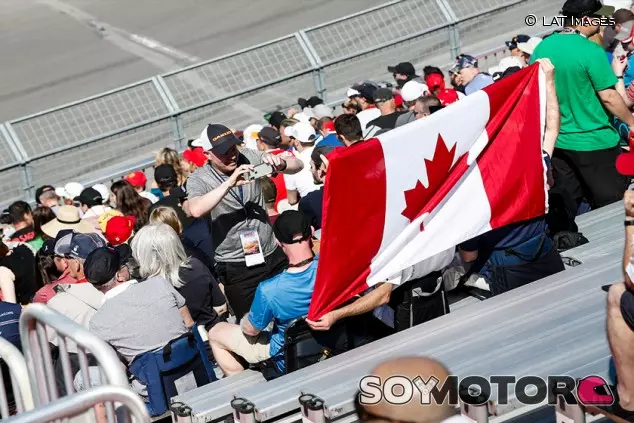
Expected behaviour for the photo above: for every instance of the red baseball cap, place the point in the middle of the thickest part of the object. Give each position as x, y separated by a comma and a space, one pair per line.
435, 82
398, 100
137, 179
119, 229
329, 126
195, 156
447, 96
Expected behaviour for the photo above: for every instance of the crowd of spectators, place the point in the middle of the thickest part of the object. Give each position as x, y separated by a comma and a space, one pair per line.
205, 245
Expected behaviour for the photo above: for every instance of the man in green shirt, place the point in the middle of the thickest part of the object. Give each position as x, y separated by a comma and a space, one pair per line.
587, 146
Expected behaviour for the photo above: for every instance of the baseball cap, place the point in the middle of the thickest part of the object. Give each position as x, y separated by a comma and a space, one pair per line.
119, 229
626, 34
61, 245
521, 38
302, 132
529, 46
165, 172
70, 190
292, 227
363, 90
41, 190
321, 110
270, 136
105, 217
447, 96
196, 156
48, 248
103, 190
103, 263
586, 8
137, 179
435, 82
413, 90
90, 197
311, 102
275, 119
83, 244
383, 94
506, 63
329, 126
404, 68
464, 61
216, 138
623, 15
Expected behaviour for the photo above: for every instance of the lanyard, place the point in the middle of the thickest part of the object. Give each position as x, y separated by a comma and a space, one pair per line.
572, 31
240, 190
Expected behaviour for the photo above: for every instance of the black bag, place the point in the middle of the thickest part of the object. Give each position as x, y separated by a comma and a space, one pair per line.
566, 240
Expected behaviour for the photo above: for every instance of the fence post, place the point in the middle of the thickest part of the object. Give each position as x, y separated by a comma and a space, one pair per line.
454, 32
20, 154
316, 63
171, 104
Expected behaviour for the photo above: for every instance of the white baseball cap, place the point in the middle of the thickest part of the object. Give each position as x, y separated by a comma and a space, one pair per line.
413, 90
529, 46
506, 63
321, 110
70, 190
302, 132
103, 190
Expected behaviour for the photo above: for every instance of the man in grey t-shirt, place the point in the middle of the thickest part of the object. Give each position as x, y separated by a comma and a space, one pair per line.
246, 252
468, 74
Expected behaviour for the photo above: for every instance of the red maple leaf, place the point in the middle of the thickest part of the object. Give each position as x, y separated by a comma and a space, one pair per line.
437, 170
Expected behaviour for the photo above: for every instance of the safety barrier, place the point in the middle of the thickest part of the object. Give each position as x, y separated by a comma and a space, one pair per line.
97, 138
19, 381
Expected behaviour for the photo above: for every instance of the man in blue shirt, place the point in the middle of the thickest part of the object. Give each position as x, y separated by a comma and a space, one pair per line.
10, 323
468, 74
278, 300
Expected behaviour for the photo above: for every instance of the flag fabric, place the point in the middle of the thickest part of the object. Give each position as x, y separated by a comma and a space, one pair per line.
410, 194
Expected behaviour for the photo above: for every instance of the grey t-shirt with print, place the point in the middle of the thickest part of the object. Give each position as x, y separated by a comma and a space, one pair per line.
235, 212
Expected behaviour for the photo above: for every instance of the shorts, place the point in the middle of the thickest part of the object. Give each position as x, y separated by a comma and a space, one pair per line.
253, 349
627, 308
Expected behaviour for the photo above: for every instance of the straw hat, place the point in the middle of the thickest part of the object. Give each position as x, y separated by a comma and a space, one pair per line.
67, 218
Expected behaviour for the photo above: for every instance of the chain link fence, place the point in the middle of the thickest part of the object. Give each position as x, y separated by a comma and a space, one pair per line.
100, 138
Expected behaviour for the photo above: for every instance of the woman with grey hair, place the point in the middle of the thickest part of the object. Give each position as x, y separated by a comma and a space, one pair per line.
159, 252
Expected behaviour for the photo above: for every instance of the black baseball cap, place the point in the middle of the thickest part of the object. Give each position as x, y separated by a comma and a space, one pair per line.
165, 172
216, 138
41, 190
383, 94
580, 8
366, 91
270, 136
48, 248
311, 102
90, 197
102, 264
404, 68
521, 38
292, 227
275, 119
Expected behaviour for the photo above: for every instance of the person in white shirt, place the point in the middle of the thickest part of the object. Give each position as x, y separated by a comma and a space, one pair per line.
364, 94
300, 184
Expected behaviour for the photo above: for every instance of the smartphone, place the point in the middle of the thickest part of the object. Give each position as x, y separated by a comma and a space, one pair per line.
260, 171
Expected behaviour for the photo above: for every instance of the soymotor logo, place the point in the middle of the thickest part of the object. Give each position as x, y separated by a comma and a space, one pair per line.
476, 390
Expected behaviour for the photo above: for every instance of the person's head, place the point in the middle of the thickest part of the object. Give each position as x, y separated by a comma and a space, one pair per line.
432, 70
41, 216
81, 245
119, 229
268, 139
275, 119
194, 158
106, 267
220, 146
412, 91
586, 13
466, 68
402, 72
620, 17
364, 94
425, 106
46, 196
527, 49
625, 34
137, 180
325, 126
170, 157
348, 129
512, 44
317, 166
435, 83
69, 192
20, 214
302, 134
351, 106
90, 198
129, 202
293, 234
412, 411
159, 252
384, 100
168, 216
165, 177
269, 192
47, 270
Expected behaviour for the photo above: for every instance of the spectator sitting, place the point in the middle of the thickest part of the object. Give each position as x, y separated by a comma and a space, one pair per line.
69, 192
425, 106
269, 192
123, 320
285, 141
351, 106
349, 130
81, 245
502, 69
92, 205
364, 95
250, 136
411, 92
41, 216
403, 73
169, 156
384, 99
275, 119
512, 45
104, 218
17, 273
610, 43
326, 127
46, 196
269, 141
436, 84
194, 158
166, 180
138, 181
300, 184
160, 247
279, 299
468, 74
312, 204
119, 230
46, 271
20, 217
626, 37
527, 49
130, 203
67, 217
61, 247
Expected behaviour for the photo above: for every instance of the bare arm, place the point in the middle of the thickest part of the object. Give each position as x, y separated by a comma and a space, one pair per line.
378, 297
247, 327
293, 196
292, 166
199, 206
7, 285
628, 202
619, 64
552, 107
187, 317
616, 105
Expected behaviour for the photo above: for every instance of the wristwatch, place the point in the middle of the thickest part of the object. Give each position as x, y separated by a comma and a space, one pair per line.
628, 223
285, 166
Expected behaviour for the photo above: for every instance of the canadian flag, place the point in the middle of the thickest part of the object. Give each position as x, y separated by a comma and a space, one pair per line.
414, 192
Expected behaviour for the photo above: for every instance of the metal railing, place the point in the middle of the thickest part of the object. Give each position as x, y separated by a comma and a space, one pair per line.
95, 138
18, 381
38, 324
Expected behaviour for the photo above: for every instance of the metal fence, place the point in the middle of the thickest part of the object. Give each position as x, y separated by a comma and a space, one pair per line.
104, 136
